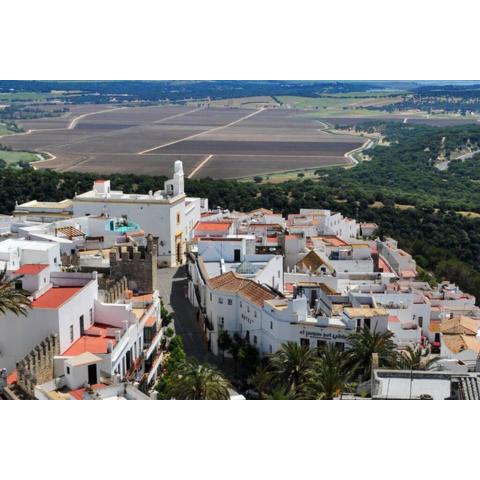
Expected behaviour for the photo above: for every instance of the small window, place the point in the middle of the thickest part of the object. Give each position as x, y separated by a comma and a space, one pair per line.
210, 297
220, 299
240, 304
55, 260
178, 218
420, 322
68, 370
278, 274
248, 309
271, 325
71, 333
270, 348
229, 301
254, 339
255, 314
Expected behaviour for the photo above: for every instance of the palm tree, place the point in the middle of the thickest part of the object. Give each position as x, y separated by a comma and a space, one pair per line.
292, 366
282, 393
363, 344
412, 359
12, 299
193, 381
331, 374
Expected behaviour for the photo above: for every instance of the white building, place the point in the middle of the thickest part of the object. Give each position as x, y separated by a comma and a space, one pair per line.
125, 334
266, 320
15, 252
167, 214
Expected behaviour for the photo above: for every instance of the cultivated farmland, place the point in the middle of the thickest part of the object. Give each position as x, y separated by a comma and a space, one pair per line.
236, 141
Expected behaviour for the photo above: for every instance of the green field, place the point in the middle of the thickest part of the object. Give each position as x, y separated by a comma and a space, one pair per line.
27, 96
340, 104
14, 157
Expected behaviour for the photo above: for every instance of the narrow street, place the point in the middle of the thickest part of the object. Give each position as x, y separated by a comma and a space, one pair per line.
172, 284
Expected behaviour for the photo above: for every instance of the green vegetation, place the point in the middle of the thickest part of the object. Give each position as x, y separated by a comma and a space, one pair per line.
341, 104
9, 128
12, 299
184, 379
297, 372
12, 157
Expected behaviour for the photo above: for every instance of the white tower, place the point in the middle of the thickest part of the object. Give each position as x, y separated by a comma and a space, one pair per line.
175, 186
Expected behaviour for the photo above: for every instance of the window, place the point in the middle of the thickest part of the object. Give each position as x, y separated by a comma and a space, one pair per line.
321, 344
71, 333
210, 297
248, 309
271, 325
90, 315
340, 346
420, 322
178, 218
255, 313
254, 339
305, 342
240, 304
68, 370
220, 299
270, 348
55, 260
229, 301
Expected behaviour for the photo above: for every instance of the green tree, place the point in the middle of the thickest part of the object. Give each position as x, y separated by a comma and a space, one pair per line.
292, 366
193, 381
331, 374
12, 299
412, 359
363, 344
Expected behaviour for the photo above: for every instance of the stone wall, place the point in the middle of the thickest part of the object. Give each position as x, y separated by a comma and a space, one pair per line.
37, 367
138, 264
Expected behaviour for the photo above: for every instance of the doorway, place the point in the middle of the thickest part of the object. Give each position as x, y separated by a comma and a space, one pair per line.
92, 374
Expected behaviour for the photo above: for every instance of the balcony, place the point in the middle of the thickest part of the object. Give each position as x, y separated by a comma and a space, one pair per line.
155, 342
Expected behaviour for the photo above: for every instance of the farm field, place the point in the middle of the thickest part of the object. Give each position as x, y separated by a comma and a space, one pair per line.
236, 141
15, 157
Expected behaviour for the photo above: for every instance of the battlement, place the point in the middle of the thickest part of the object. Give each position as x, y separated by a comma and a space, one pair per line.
37, 367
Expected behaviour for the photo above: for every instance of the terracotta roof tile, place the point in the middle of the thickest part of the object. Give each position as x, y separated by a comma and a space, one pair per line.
248, 289
460, 325
31, 268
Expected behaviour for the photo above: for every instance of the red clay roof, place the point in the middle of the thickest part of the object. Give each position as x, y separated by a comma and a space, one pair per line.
55, 297
31, 268
213, 226
12, 377
248, 289
78, 394
95, 340
150, 321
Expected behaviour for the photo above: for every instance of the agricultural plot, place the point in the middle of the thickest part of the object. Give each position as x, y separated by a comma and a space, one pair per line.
236, 141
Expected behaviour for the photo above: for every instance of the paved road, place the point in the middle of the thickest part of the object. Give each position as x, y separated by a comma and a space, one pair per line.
172, 284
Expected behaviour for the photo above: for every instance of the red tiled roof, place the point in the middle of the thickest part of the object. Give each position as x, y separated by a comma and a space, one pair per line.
393, 318
31, 268
213, 226
100, 181
231, 283
12, 378
150, 321
78, 394
148, 297
55, 297
333, 240
87, 343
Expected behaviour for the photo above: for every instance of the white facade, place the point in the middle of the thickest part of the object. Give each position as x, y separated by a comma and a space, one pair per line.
166, 214
16, 252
